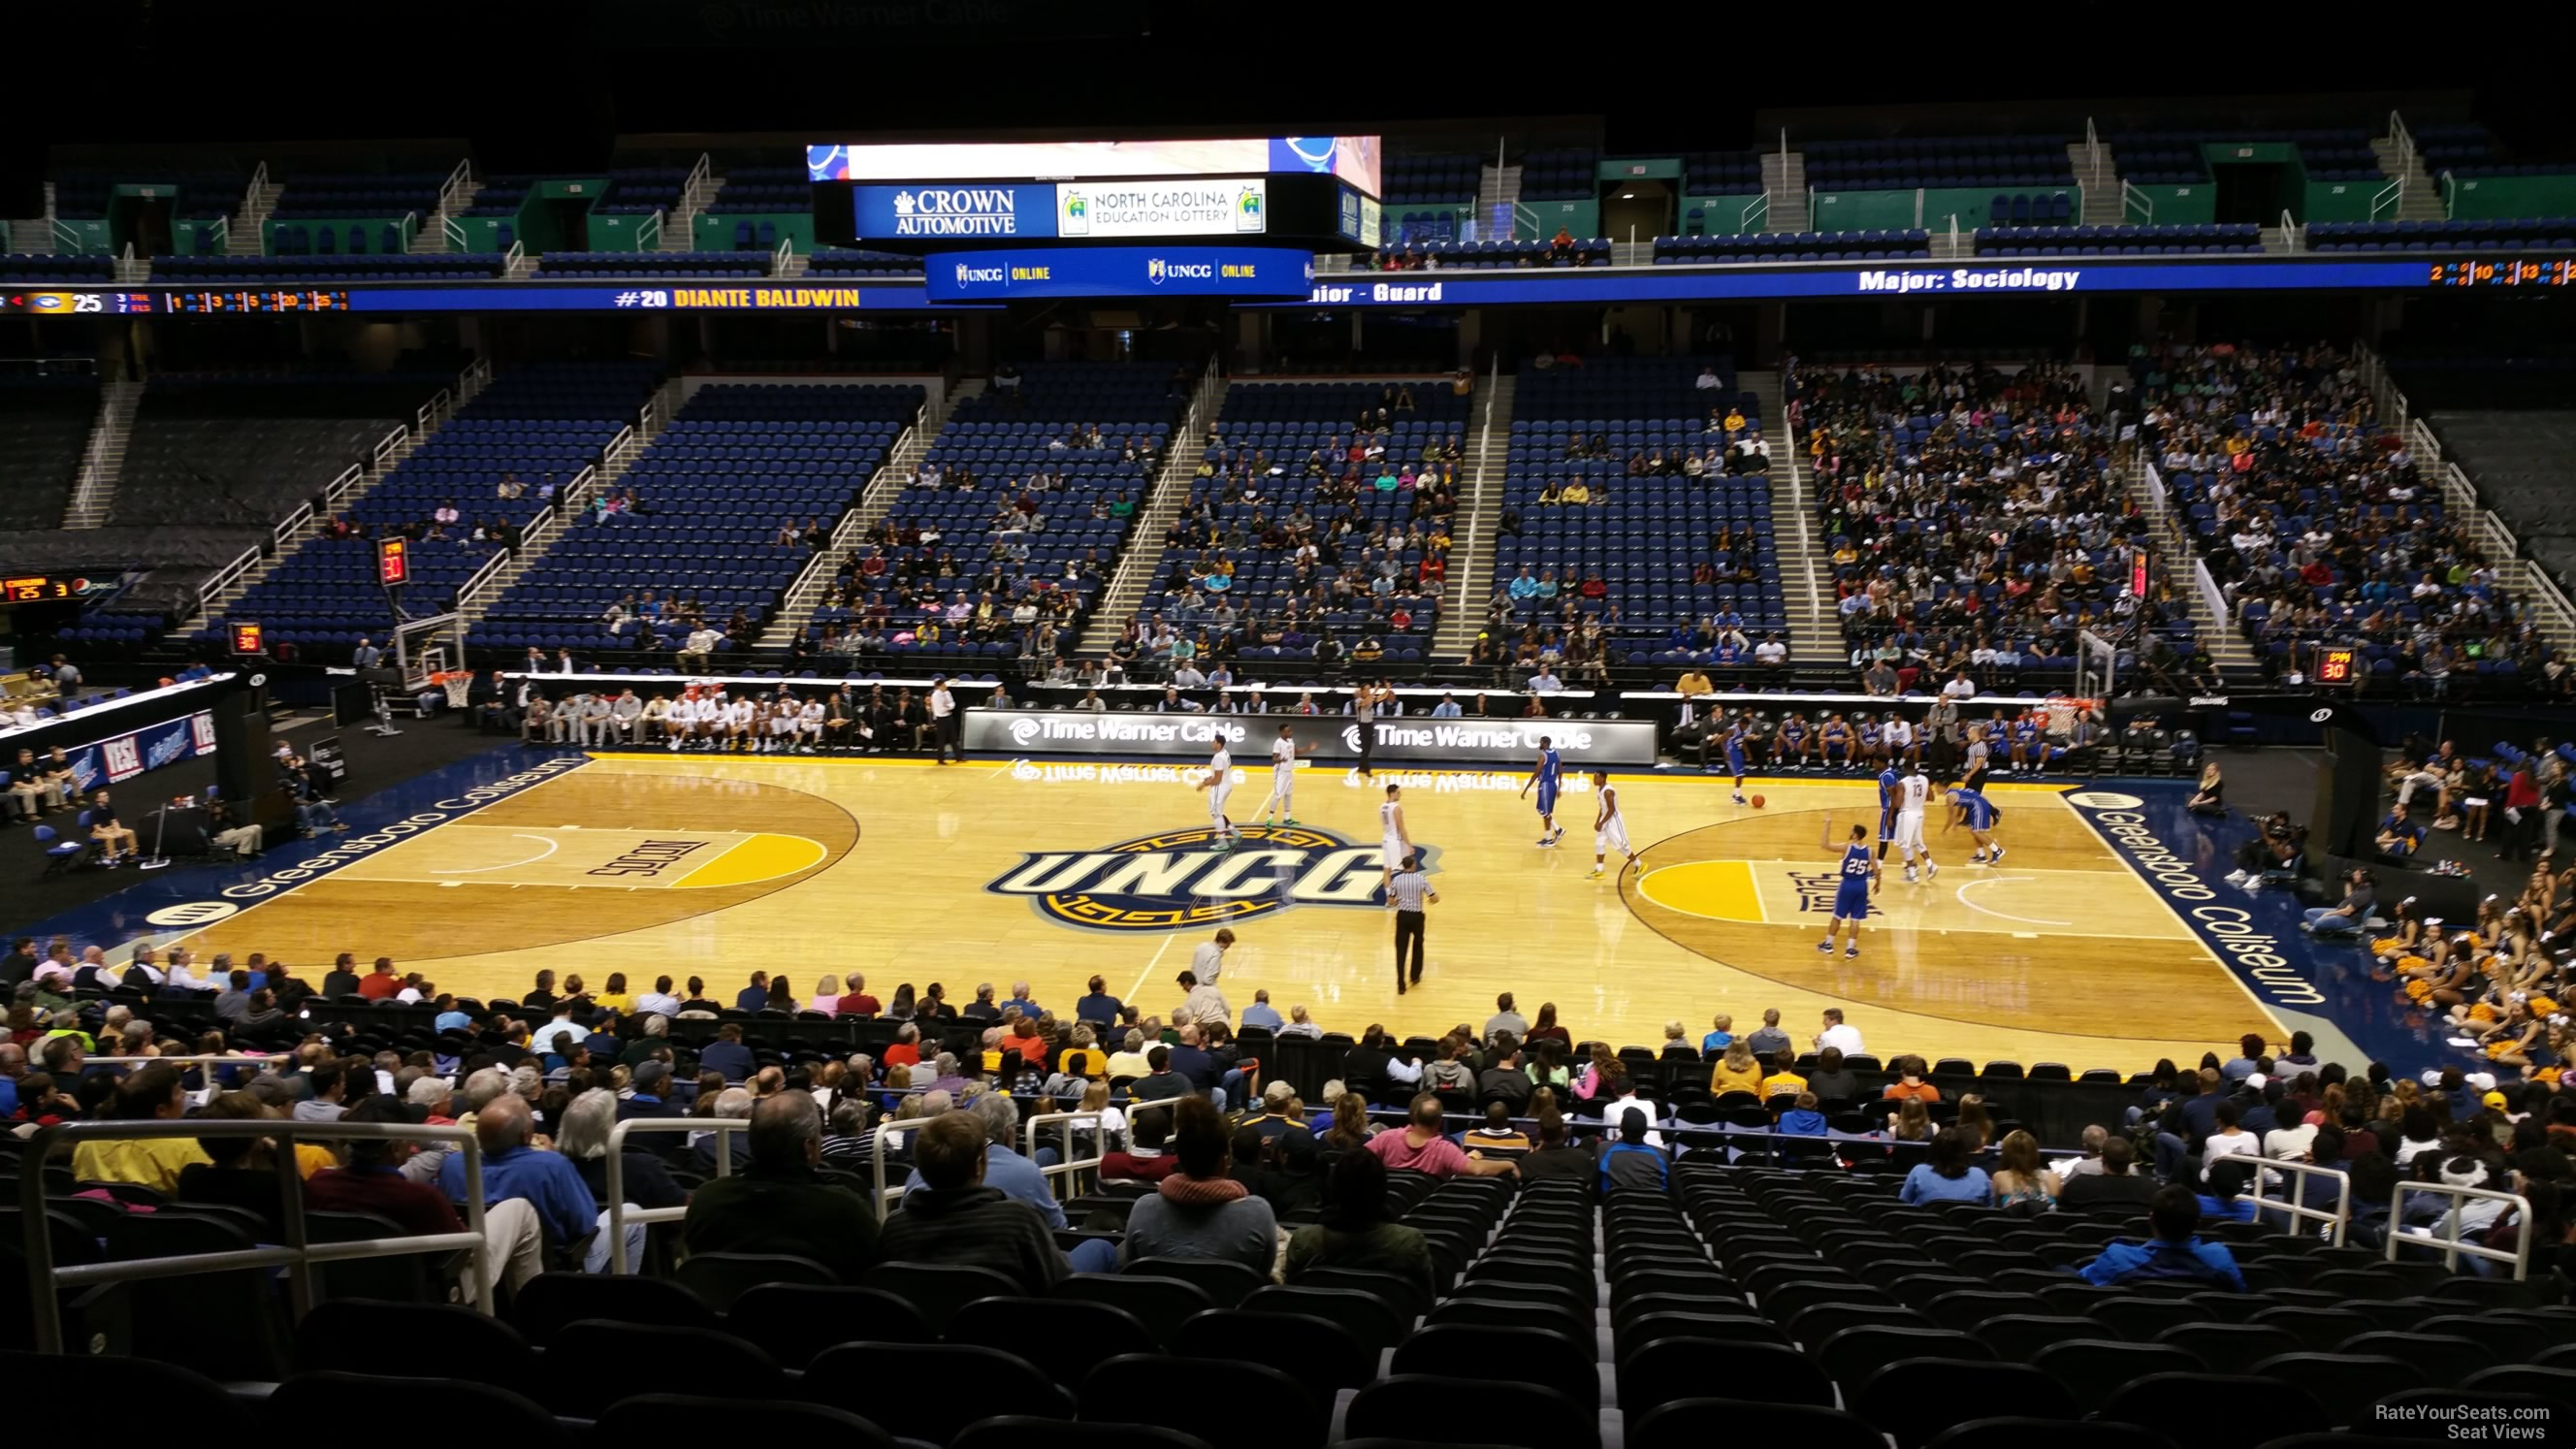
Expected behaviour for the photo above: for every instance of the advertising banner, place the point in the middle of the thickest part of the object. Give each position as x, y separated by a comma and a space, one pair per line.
1001, 276
1493, 744
120, 758
1238, 206
959, 212
1352, 158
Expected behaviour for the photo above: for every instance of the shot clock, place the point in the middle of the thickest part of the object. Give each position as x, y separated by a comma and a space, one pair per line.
248, 639
2336, 667
393, 562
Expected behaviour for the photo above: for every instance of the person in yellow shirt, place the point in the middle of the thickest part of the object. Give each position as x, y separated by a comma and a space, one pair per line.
1736, 1072
153, 1094
1577, 492
1691, 686
1734, 423
1783, 1081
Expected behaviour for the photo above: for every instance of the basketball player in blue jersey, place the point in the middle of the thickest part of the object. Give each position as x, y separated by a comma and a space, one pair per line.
1872, 747
1548, 774
1790, 750
1735, 752
1888, 781
1858, 879
1836, 738
1979, 815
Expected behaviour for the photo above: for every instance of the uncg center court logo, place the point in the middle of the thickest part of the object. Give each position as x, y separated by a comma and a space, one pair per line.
1176, 881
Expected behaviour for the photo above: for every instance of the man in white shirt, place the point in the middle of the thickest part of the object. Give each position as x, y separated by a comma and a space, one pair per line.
659, 1000
1204, 1003
944, 724
1771, 653
626, 716
183, 972
1960, 687
1447, 708
679, 721
1545, 681
1838, 1035
697, 652
1207, 961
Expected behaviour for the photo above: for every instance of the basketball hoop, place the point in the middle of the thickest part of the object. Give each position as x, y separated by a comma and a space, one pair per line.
2063, 713
459, 684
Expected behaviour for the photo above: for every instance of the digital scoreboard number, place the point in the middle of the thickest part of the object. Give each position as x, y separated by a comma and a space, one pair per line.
248, 639
40, 588
393, 562
2337, 667
2504, 272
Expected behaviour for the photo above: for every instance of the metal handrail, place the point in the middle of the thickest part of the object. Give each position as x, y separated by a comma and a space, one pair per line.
2405, 140
779, 260
2451, 1245
1071, 1166
2134, 199
883, 1196
2391, 197
223, 578
296, 1255
692, 194
619, 1214
2292, 235
387, 444
652, 224
1756, 212
2336, 1221
457, 180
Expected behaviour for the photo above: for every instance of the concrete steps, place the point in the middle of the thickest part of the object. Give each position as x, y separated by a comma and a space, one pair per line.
246, 235
1472, 541
431, 239
680, 224
1498, 201
1144, 547
2175, 556
104, 460
2100, 181
2422, 199
877, 499
1784, 179
1806, 568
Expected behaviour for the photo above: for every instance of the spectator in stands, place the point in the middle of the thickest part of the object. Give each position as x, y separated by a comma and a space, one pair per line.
1355, 1233
1948, 1176
2020, 1182
2116, 1181
954, 1218
727, 1055
1835, 1034
1832, 1081
378, 1179
154, 1093
1007, 1172
547, 1181
1767, 1039
1736, 1071
1423, 1146
1629, 1162
778, 1201
2176, 1251
1199, 1209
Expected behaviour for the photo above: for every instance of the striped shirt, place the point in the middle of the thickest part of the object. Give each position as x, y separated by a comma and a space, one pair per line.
1408, 888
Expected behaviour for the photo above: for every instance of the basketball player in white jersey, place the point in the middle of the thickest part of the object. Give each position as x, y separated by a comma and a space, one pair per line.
809, 726
1609, 827
680, 721
1284, 751
782, 725
741, 718
1394, 842
1219, 783
1912, 793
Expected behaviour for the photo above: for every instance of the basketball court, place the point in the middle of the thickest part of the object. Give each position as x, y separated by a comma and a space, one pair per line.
1050, 872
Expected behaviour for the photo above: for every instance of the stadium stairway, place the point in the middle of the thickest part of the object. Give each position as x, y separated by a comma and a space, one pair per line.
247, 234
806, 594
212, 604
2174, 558
1144, 550
656, 415
1815, 635
680, 226
1784, 180
2421, 200
2097, 174
1498, 200
1462, 610
431, 239
104, 460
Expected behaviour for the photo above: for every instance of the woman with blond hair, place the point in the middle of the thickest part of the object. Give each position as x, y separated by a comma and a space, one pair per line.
2019, 1179
827, 996
1737, 1071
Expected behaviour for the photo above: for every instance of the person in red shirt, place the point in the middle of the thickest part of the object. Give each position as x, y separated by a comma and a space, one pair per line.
856, 1002
1144, 1160
374, 1182
380, 984
905, 1051
1424, 1147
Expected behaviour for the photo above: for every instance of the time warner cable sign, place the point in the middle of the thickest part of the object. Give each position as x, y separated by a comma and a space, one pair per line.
1483, 743
1001, 276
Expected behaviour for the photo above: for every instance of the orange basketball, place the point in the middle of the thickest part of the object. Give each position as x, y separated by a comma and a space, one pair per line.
1757, 802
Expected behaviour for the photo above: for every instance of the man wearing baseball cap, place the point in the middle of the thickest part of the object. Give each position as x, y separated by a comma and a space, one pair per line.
652, 1081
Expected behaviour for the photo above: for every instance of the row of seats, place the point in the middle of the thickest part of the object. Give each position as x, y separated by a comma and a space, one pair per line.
648, 264
1432, 180
1866, 244
2177, 240
355, 267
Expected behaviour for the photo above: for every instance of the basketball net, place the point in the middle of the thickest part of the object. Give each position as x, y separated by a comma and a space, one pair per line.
459, 684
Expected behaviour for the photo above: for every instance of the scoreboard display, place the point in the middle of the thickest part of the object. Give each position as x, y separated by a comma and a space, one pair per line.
40, 589
393, 561
71, 304
2337, 667
259, 302
2504, 272
248, 638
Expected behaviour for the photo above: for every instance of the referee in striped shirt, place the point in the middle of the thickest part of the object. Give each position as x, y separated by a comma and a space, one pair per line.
1405, 895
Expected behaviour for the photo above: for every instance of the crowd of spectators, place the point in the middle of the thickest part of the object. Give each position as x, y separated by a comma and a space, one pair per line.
1971, 515
2318, 524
